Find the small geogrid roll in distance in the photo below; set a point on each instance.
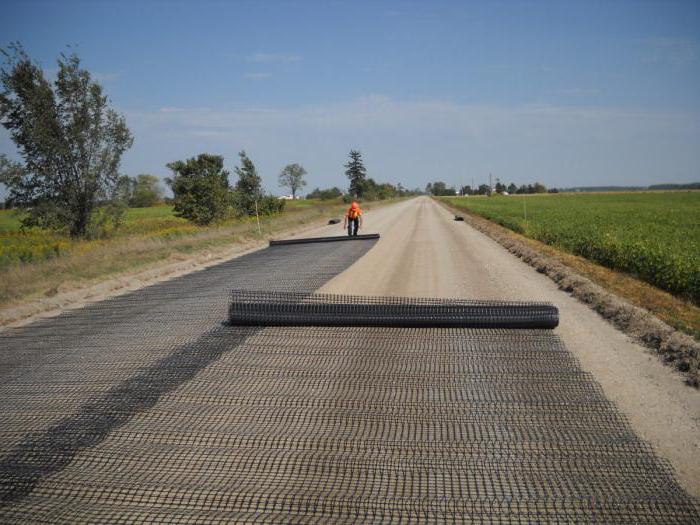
(336, 238)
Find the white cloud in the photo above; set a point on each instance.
(579, 92)
(417, 141)
(263, 58)
(677, 52)
(170, 109)
(257, 76)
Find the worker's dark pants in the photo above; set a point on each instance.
(353, 225)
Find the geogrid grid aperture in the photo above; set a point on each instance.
(321, 424)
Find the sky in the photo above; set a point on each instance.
(567, 93)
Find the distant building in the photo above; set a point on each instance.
(289, 198)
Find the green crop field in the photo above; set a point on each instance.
(654, 235)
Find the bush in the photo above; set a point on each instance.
(201, 190)
(325, 195)
(270, 205)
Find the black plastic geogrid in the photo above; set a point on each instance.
(145, 409)
(264, 308)
(337, 238)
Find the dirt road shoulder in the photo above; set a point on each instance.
(674, 347)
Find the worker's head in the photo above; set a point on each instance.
(353, 205)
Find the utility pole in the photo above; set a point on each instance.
(490, 185)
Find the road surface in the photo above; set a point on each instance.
(424, 253)
(146, 408)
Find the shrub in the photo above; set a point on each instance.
(201, 189)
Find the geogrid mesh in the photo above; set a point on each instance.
(145, 409)
(336, 238)
(263, 308)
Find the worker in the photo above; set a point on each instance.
(353, 219)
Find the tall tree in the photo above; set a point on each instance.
(292, 177)
(248, 190)
(356, 172)
(69, 139)
(200, 188)
(500, 188)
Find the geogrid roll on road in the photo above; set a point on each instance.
(335, 238)
(264, 308)
(145, 409)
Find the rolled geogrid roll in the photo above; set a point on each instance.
(335, 238)
(254, 308)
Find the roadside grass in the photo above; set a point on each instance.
(39, 263)
(654, 236)
(677, 310)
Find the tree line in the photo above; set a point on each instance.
(439, 188)
(361, 186)
(71, 142)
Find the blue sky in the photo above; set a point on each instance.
(569, 93)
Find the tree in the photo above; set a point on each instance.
(539, 188)
(512, 188)
(357, 174)
(500, 188)
(331, 193)
(292, 177)
(248, 190)
(124, 189)
(484, 189)
(439, 188)
(466, 190)
(200, 188)
(69, 139)
(146, 192)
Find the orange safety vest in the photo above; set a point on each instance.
(354, 213)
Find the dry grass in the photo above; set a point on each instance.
(88, 263)
(660, 321)
(679, 314)
(653, 236)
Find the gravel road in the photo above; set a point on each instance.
(147, 408)
(423, 252)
